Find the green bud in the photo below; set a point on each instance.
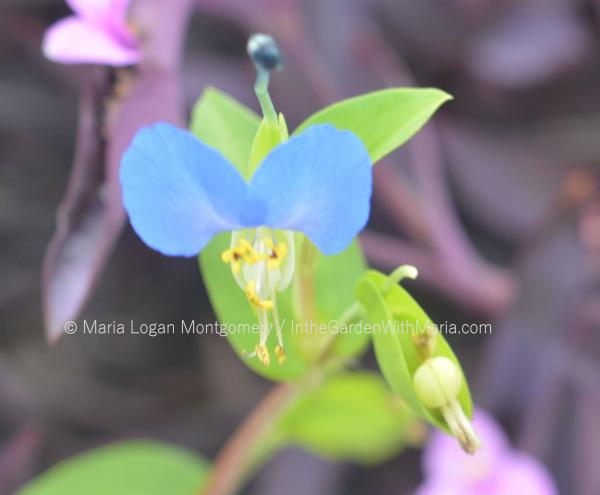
(437, 382)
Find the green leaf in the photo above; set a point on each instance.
(233, 310)
(266, 139)
(350, 416)
(127, 468)
(335, 280)
(335, 276)
(395, 315)
(383, 120)
(221, 122)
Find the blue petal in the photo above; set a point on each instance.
(178, 191)
(319, 183)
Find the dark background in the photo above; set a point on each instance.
(497, 203)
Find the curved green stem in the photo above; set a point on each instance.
(249, 445)
(304, 281)
(351, 314)
(253, 441)
(261, 88)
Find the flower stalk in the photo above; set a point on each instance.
(249, 445)
(266, 57)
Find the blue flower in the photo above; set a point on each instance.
(179, 193)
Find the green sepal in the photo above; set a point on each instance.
(268, 136)
(393, 314)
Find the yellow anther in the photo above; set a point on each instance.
(244, 244)
(280, 353)
(255, 299)
(232, 256)
(247, 252)
(278, 253)
(243, 251)
(262, 354)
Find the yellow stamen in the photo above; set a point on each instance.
(233, 257)
(227, 256)
(259, 283)
(262, 354)
(255, 299)
(243, 251)
(247, 252)
(280, 353)
(278, 254)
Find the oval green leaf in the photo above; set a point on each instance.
(352, 416)
(335, 276)
(127, 468)
(384, 120)
(223, 123)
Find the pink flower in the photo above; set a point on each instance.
(97, 34)
(496, 469)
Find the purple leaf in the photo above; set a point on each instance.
(74, 255)
(91, 215)
(18, 459)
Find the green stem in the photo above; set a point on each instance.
(402, 272)
(261, 88)
(249, 446)
(254, 441)
(353, 313)
(304, 281)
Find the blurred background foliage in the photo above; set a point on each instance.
(497, 202)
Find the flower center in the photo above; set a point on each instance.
(262, 262)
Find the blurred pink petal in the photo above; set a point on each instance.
(496, 469)
(91, 9)
(110, 15)
(74, 41)
(522, 473)
(117, 14)
(97, 34)
(445, 459)
(440, 487)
